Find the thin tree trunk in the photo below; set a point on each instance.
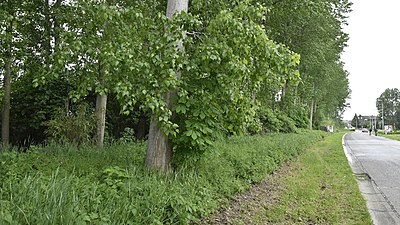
(101, 99)
(311, 113)
(101, 107)
(5, 125)
(48, 31)
(56, 29)
(159, 149)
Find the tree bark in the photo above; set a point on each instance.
(101, 107)
(159, 149)
(5, 125)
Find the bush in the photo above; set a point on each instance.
(269, 120)
(288, 125)
(276, 121)
(77, 126)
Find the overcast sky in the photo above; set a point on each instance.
(373, 53)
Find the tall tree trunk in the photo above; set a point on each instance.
(56, 29)
(159, 149)
(311, 113)
(101, 107)
(5, 125)
(48, 31)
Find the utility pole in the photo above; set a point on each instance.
(370, 121)
(383, 121)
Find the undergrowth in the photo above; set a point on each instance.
(85, 185)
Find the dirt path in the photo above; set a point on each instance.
(250, 206)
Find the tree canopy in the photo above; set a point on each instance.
(218, 68)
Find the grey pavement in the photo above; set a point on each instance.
(376, 163)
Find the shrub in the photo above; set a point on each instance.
(269, 120)
(75, 126)
(288, 125)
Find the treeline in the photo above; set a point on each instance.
(179, 73)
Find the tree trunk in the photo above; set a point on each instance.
(159, 149)
(48, 31)
(101, 107)
(5, 123)
(311, 113)
(56, 29)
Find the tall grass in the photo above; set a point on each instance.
(70, 185)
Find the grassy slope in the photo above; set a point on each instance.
(65, 185)
(320, 189)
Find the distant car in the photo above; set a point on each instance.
(365, 130)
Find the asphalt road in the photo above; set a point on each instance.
(376, 163)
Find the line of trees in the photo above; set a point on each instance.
(181, 73)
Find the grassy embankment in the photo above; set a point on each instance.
(69, 185)
(319, 189)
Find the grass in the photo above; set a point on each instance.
(319, 189)
(393, 136)
(85, 185)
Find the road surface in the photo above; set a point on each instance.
(376, 163)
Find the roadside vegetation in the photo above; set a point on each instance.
(393, 136)
(317, 187)
(320, 189)
(84, 185)
(208, 96)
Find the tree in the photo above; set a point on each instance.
(159, 149)
(314, 30)
(5, 131)
(8, 17)
(388, 106)
(355, 122)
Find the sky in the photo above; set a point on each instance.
(373, 54)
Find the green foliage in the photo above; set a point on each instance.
(32, 106)
(276, 121)
(128, 135)
(227, 66)
(91, 186)
(388, 106)
(238, 56)
(355, 122)
(269, 120)
(288, 125)
(72, 126)
(313, 29)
